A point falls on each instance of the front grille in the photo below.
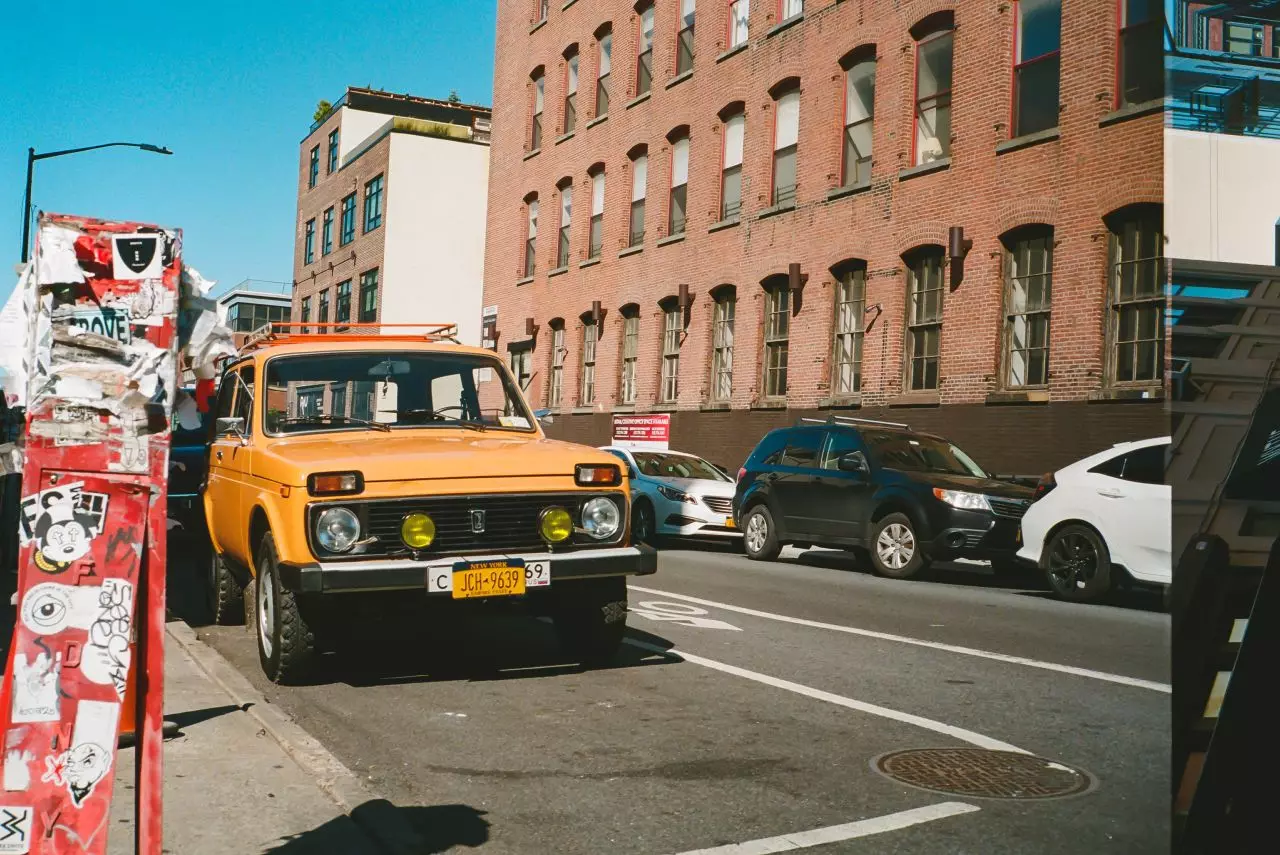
(719, 504)
(1013, 509)
(511, 522)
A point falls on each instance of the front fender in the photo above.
(903, 501)
(285, 519)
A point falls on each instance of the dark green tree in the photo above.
(323, 109)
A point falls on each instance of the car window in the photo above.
(909, 452)
(801, 449)
(839, 443)
(226, 395)
(244, 399)
(769, 451)
(677, 466)
(1141, 466)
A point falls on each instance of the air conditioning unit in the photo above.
(483, 125)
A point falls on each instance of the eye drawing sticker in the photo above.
(49, 608)
(62, 521)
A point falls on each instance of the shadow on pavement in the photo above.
(419, 830)
(193, 717)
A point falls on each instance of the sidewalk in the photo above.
(229, 786)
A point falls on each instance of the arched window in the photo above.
(595, 238)
(604, 67)
(1037, 40)
(555, 386)
(739, 22)
(847, 326)
(859, 116)
(725, 300)
(677, 209)
(570, 89)
(735, 124)
(639, 189)
(531, 235)
(924, 317)
(1028, 292)
(932, 118)
(672, 329)
(630, 352)
(684, 37)
(1137, 302)
(565, 186)
(777, 332)
(539, 81)
(644, 48)
(786, 140)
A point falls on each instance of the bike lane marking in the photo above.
(950, 730)
(919, 642)
(846, 831)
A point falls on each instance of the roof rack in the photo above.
(282, 333)
(834, 419)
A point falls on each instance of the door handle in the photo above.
(1111, 494)
(218, 454)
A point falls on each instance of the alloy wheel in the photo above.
(757, 533)
(1073, 561)
(266, 612)
(896, 546)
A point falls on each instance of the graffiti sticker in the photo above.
(49, 608)
(62, 521)
(88, 760)
(106, 657)
(35, 687)
(15, 830)
(137, 256)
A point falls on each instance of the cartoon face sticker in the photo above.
(62, 522)
(86, 764)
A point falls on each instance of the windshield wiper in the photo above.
(326, 418)
(440, 414)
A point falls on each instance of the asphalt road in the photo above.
(751, 702)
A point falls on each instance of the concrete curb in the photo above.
(370, 811)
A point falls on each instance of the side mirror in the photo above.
(233, 425)
(544, 417)
(854, 462)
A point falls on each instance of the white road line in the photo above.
(919, 642)
(836, 833)
(839, 700)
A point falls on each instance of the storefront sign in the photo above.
(647, 431)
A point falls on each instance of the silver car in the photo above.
(674, 494)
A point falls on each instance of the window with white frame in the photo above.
(679, 186)
(859, 121)
(630, 355)
(850, 305)
(556, 383)
(786, 138)
(788, 9)
(671, 334)
(595, 239)
(1137, 298)
(932, 117)
(731, 176)
(587, 383)
(571, 90)
(639, 184)
(604, 68)
(644, 55)
(535, 124)
(924, 318)
(531, 239)
(1028, 295)
(739, 18)
(722, 345)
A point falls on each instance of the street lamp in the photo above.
(32, 157)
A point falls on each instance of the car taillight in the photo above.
(742, 473)
(1043, 486)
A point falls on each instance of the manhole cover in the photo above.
(981, 773)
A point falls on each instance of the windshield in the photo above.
(913, 453)
(660, 465)
(403, 389)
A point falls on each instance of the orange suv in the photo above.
(347, 464)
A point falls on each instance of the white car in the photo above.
(1101, 519)
(674, 494)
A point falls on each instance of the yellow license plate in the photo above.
(728, 522)
(488, 579)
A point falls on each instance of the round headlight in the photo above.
(555, 525)
(337, 529)
(417, 531)
(601, 518)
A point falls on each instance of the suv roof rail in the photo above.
(833, 419)
(283, 333)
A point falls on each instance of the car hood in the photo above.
(697, 486)
(972, 484)
(426, 455)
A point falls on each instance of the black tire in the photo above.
(762, 545)
(225, 594)
(590, 617)
(643, 524)
(901, 555)
(1077, 564)
(279, 619)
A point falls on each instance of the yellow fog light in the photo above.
(556, 525)
(417, 531)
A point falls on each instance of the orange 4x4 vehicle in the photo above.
(344, 465)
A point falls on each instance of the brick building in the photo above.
(391, 212)
(746, 212)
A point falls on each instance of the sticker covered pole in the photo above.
(101, 386)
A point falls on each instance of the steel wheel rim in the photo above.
(266, 613)
(1073, 561)
(757, 533)
(896, 546)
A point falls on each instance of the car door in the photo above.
(228, 472)
(1134, 506)
(841, 497)
(792, 482)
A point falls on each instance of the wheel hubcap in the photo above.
(266, 612)
(896, 546)
(757, 533)
(1073, 562)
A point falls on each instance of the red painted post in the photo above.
(92, 534)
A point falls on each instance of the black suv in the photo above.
(899, 497)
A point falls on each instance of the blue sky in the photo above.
(230, 88)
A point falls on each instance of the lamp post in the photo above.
(32, 157)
